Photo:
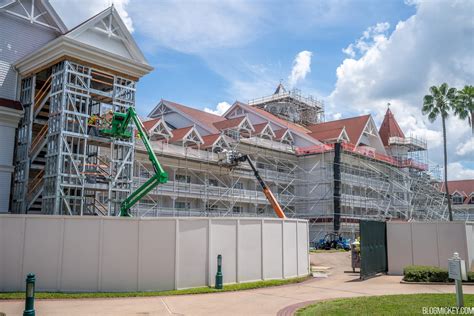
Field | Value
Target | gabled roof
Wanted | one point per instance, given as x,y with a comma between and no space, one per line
260,127
268,116
281,133
465,187
157,126
109,26
204,119
180,133
212,140
280,89
389,128
226,124
264,129
39,12
331,134
148,125
105,45
354,126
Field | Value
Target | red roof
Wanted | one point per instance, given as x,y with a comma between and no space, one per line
259,127
206,119
327,134
148,125
179,133
354,127
221,125
389,128
280,133
274,118
465,187
209,140
11,104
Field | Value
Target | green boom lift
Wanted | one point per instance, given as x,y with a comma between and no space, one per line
119,128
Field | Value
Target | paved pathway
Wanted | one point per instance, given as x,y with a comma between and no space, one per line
267,301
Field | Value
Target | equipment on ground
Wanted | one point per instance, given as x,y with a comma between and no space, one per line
119,128
232,159
333,241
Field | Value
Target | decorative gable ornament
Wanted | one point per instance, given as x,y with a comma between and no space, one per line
192,137
160,110
34,11
107,31
246,126
287,138
220,144
160,131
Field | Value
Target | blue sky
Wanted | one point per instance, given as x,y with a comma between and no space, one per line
356,56
193,79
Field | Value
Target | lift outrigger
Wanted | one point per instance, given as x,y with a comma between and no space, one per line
119,128
232,159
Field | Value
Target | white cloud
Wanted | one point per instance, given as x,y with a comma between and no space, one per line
374,35
465,148
456,171
74,12
301,67
399,67
221,108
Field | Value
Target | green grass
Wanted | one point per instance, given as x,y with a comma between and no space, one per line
198,290
384,305
327,251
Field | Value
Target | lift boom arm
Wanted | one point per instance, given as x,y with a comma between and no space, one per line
120,123
266,190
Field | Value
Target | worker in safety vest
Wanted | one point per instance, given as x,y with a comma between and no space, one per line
93,120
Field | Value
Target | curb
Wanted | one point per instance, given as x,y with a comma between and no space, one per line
436,283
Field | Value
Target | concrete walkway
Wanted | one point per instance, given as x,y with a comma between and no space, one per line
267,301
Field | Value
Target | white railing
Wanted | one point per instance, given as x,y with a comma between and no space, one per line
408,141
293,94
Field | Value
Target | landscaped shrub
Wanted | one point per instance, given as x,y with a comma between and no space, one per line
429,274
425,274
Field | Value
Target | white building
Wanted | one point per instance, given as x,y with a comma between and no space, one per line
332,173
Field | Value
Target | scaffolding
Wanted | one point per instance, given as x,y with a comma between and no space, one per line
373,186
292,106
63,165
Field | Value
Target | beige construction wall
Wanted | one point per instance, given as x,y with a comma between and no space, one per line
426,243
132,254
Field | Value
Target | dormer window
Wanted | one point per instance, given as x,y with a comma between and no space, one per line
457,199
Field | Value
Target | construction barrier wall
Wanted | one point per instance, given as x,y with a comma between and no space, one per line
132,254
428,243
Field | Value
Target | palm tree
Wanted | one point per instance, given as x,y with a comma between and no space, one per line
439,103
464,105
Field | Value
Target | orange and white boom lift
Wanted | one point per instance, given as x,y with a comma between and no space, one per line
232,159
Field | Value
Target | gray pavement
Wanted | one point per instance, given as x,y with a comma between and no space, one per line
267,301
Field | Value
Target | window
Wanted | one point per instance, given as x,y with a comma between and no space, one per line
182,205
457,199
181,178
237,209
260,165
261,210
213,183
239,185
471,201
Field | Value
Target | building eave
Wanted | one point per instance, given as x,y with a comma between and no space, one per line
67,47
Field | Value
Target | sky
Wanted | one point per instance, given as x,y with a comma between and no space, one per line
356,56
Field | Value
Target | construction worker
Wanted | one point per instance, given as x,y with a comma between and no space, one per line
93,122
107,118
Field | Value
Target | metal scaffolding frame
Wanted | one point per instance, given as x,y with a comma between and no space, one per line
63,165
